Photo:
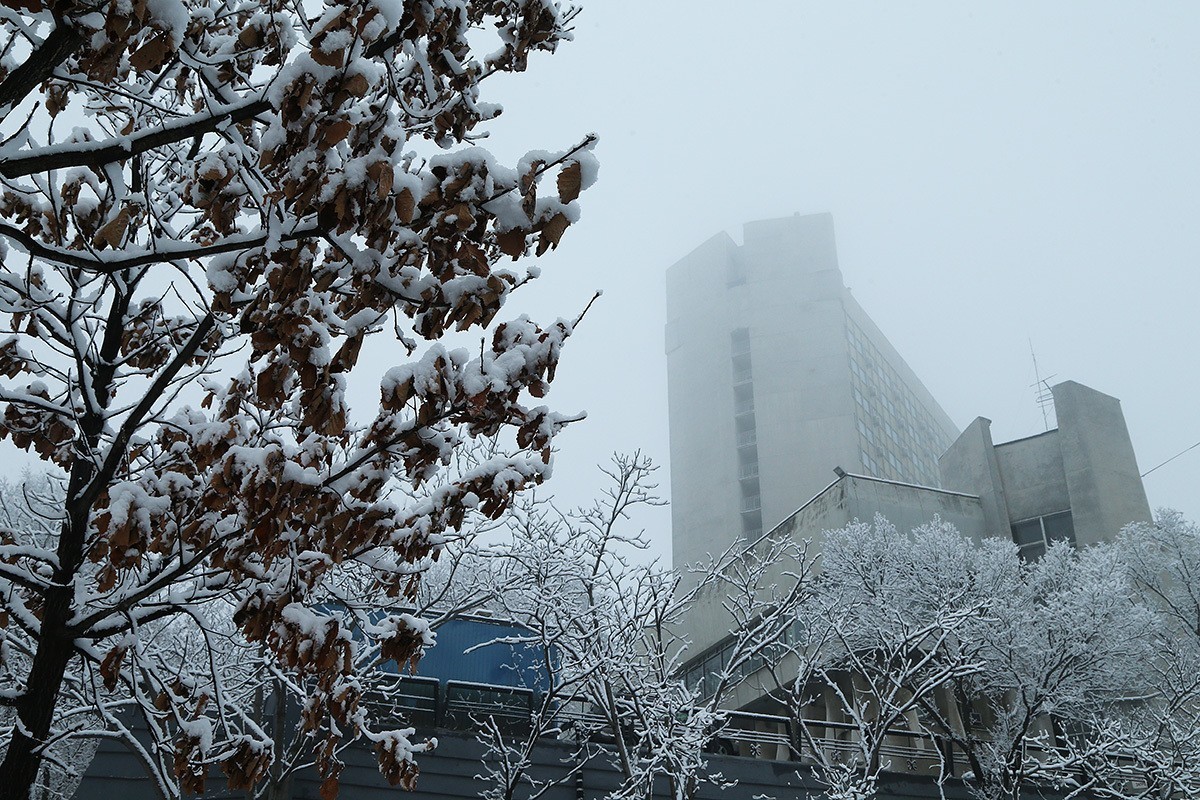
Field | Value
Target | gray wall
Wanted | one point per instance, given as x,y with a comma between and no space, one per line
1099,463
970,465
845,500
1031,471
1086,464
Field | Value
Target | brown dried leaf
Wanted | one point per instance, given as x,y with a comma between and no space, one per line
56,99
529,179
381,172
153,54
337,132
406,205
570,182
250,37
512,243
552,232
334,59
356,85
110,667
113,232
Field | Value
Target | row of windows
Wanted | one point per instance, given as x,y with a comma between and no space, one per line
747,433
895,395
1033,536
923,442
898,437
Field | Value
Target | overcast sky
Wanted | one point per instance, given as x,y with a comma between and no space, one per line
997,173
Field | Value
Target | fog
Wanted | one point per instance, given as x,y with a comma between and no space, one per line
999,174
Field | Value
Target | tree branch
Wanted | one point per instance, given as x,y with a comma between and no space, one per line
97,154
57,48
182,251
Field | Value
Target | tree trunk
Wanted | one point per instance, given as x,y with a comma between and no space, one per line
56,643
35,708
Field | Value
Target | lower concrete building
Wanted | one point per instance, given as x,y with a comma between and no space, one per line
1078,482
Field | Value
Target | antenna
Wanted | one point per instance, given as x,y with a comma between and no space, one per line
1041,388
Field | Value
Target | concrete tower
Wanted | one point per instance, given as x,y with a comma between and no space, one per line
775,376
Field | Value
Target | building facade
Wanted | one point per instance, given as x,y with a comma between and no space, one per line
1078,482
775,376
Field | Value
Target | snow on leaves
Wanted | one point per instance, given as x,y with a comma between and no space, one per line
190,278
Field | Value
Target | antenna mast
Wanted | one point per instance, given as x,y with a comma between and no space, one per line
1041,388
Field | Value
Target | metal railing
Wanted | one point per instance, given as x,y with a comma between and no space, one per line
461,705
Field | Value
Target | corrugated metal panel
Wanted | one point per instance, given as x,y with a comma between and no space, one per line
498,663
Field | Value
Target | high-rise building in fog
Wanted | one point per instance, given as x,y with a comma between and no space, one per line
776,375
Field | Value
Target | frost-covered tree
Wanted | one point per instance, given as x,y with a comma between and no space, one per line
1150,747
613,630
1029,671
206,208
1064,645
885,632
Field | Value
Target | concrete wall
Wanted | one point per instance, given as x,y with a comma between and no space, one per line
849,498
1031,471
704,490
908,507
1086,465
1099,464
707,622
971,466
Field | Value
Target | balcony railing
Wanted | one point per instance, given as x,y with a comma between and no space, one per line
459,705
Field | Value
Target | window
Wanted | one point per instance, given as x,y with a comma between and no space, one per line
1033,536
739,340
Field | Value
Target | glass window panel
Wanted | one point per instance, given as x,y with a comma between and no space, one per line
1032,552
1028,532
1059,527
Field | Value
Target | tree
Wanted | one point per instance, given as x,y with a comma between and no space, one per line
1064,644
189,279
32,506
1028,671
613,632
1150,747
884,635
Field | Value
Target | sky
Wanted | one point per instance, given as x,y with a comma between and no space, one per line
1000,175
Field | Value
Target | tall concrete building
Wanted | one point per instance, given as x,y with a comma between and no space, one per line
775,376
